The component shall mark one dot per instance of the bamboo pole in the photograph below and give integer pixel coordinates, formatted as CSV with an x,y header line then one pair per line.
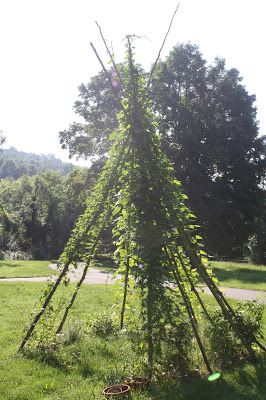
x,y
193,287
61,325
150,329
66,267
44,306
225,307
83,276
111,56
124,295
189,309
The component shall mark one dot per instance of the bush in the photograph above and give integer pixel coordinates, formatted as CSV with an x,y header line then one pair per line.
x,y
257,248
15,255
177,345
225,347
74,332
249,317
103,325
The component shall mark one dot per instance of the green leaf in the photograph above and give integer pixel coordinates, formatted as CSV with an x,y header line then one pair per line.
x,y
116,211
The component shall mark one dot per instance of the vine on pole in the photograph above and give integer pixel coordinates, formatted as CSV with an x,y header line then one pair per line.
x,y
153,232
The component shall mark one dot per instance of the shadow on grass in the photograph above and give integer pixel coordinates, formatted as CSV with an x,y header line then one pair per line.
x,y
241,385
10,265
49,358
246,383
242,274
68,357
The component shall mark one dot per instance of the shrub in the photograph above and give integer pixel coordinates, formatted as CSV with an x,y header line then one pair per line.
x,y
103,325
225,347
249,317
15,255
176,357
74,332
257,248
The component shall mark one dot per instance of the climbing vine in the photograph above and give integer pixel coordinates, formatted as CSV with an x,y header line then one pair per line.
x,y
157,247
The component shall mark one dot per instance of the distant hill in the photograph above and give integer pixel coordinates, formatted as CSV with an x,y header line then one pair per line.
x,y
14,163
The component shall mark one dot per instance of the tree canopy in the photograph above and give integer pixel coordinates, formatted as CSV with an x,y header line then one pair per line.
x,y
209,131
40,211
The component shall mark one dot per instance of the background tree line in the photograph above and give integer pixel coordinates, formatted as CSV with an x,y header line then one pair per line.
x,y
16,163
208,129
40,211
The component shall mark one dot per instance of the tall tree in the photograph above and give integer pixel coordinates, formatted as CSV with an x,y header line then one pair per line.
x,y
209,131
98,107
211,135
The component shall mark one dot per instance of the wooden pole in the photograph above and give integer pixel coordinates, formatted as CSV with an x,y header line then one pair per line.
x,y
125,294
64,271
60,327
189,309
225,307
150,329
44,306
193,287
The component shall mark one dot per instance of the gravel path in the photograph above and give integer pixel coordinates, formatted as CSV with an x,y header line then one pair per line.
x,y
97,276
94,275
241,294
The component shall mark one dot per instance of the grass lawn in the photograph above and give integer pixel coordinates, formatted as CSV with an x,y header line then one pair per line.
x,y
24,269
230,274
81,370
240,275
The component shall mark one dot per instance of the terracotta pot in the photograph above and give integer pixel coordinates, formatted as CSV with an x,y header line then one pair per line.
x,y
138,382
129,381
117,391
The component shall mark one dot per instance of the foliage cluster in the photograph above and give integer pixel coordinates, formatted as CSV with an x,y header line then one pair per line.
x,y
40,212
226,349
208,130
103,325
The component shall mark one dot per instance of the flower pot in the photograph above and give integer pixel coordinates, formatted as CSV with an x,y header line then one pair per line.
x,y
137,382
117,391
129,381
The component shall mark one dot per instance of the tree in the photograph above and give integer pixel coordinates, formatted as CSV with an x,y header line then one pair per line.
x,y
211,135
2,138
209,131
98,107
42,211
257,242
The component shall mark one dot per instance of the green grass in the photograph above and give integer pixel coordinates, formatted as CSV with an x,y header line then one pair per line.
x,y
80,370
240,275
105,266
230,274
24,269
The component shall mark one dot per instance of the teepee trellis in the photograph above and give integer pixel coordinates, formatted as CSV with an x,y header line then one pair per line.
x,y
155,240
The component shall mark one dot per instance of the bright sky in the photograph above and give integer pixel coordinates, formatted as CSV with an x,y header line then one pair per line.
x,y
45,53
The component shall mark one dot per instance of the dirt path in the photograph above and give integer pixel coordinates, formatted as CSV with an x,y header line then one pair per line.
x,y
97,276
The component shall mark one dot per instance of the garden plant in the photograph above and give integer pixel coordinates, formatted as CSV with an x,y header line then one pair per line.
x,y
160,255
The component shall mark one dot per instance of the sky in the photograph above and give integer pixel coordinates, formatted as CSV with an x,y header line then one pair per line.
x,y
45,54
